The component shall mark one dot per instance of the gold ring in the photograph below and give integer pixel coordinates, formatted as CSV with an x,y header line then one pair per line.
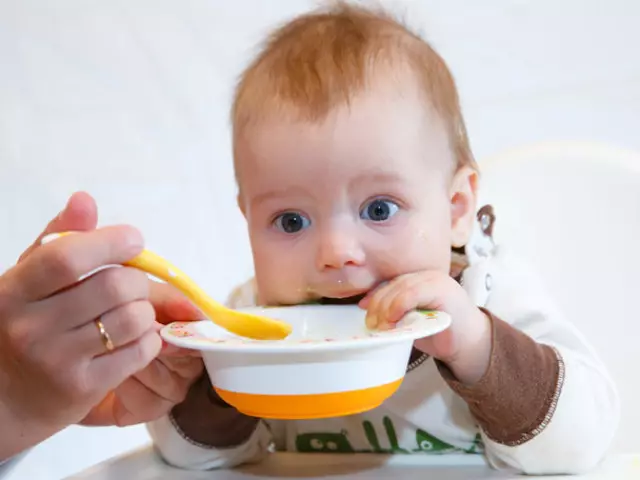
x,y
104,335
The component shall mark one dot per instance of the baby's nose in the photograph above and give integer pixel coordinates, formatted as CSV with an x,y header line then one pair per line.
x,y
337,250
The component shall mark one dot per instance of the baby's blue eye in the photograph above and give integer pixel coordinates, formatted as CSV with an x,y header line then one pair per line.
x,y
291,222
379,210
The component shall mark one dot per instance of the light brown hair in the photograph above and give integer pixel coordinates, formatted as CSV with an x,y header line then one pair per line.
x,y
320,60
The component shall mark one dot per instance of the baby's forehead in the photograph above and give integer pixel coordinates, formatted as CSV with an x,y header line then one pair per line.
x,y
388,124
354,152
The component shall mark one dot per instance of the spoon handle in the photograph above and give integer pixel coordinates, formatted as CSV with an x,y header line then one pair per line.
x,y
155,265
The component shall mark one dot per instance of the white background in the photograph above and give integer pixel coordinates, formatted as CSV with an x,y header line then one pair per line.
x,y
128,99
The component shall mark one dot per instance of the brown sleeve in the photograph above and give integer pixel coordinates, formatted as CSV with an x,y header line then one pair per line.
x,y
516,398
206,420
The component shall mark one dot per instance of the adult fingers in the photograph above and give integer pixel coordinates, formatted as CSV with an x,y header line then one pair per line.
x,y
171,305
63,262
101,292
123,325
155,390
169,379
169,350
113,368
130,403
79,214
134,403
148,394
102,414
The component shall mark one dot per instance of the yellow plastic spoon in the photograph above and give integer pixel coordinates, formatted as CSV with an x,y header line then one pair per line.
x,y
243,324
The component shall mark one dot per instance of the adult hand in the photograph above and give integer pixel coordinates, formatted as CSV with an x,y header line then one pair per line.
x,y
154,391
54,366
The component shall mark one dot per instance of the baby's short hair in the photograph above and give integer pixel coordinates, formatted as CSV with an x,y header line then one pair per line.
x,y
320,60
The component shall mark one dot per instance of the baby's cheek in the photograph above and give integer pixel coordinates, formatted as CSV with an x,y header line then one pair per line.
x,y
430,248
415,252
279,281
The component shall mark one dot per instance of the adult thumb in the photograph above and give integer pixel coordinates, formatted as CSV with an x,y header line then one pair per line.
x,y
79,214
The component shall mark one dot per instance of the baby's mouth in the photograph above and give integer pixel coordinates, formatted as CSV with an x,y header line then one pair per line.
x,y
353,300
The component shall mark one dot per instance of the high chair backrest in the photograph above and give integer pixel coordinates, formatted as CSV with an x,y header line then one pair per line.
x,y
571,209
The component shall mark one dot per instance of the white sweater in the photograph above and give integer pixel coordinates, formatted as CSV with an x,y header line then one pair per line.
x,y
426,416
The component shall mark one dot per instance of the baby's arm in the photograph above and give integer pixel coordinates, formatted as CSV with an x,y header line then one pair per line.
x,y
204,433
546,404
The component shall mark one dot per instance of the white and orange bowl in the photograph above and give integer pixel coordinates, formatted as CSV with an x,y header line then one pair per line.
x,y
330,365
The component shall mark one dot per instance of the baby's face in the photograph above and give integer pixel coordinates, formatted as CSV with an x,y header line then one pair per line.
x,y
336,208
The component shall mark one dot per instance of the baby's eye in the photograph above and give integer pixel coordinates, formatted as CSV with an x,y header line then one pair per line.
x,y
291,222
379,210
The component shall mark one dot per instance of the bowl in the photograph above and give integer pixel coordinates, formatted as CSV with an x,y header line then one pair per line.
x,y
330,366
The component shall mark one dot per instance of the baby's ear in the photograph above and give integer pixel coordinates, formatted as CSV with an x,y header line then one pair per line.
x,y
463,194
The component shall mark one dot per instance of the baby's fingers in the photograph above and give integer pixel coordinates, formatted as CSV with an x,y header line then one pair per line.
x,y
364,303
401,297
380,313
405,297
371,303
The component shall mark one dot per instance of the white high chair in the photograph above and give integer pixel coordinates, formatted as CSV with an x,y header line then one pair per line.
x,y
570,210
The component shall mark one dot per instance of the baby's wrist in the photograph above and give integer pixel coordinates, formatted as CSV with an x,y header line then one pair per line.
x,y
472,362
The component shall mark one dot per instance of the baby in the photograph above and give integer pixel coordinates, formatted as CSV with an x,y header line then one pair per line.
x,y
358,185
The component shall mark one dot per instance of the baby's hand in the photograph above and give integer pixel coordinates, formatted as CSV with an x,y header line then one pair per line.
x,y
465,346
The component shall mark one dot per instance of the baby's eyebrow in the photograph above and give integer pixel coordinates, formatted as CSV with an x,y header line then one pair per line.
x,y
377,177
278,194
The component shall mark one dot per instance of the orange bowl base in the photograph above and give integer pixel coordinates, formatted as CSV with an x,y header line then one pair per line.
x,y
309,406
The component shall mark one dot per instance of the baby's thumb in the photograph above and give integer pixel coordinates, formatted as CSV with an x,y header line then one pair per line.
x,y
79,214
